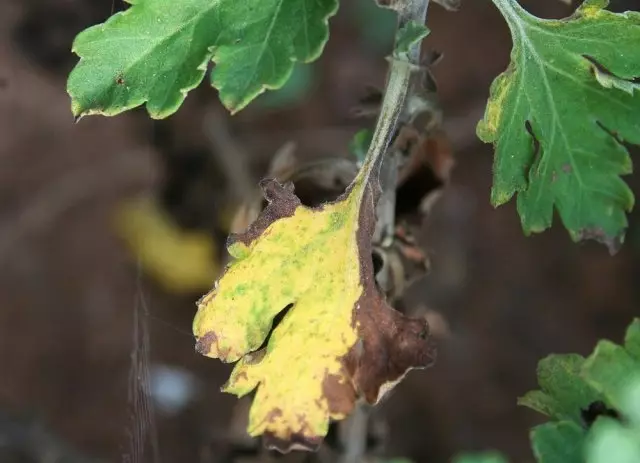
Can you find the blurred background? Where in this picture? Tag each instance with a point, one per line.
(90, 310)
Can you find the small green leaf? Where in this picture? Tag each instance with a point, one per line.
(485, 457)
(557, 116)
(559, 442)
(564, 393)
(611, 370)
(611, 442)
(632, 339)
(359, 144)
(156, 51)
(408, 35)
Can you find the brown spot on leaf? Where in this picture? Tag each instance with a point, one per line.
(613, 243)
(282, 202)
(120, 79)
(204, 344)
(340, 395)
(567, 169)
(391, 343)
(302, 440)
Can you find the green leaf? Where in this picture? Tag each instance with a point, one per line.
(158, 50)
(408, 35)
(552, 116)
(631, 404)
(359, 144)
(559, 442)
(564, 393)
(632, 339)
(612, 371)
(485, 457)
(611, 442)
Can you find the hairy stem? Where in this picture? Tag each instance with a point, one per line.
(397, 88)
(395, 94)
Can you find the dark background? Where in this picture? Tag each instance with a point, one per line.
(69, 288)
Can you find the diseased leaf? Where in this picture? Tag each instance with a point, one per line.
(612, 371)
(558, 442)
(158, 50)
(564, 393)
(338, 340)
(557, 117)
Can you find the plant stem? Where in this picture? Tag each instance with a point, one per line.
(395, 94)
(355, 435)
(397, 88)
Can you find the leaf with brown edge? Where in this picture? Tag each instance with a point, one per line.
(339, 340)
(561, 118)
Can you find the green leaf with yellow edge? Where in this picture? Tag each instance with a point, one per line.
(156, 51)
(558, 115)
(338, 341)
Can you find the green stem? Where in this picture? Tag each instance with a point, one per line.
(395, 94)
(392, 105)
(397, 88)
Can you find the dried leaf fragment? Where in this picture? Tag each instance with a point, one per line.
(338, 341)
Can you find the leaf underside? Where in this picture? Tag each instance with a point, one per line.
(337, 342)
(156, 51)
(558, 118)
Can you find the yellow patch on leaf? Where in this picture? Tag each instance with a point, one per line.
(337, 340)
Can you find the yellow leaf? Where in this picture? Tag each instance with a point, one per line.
(182, 261)
(338, 340)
